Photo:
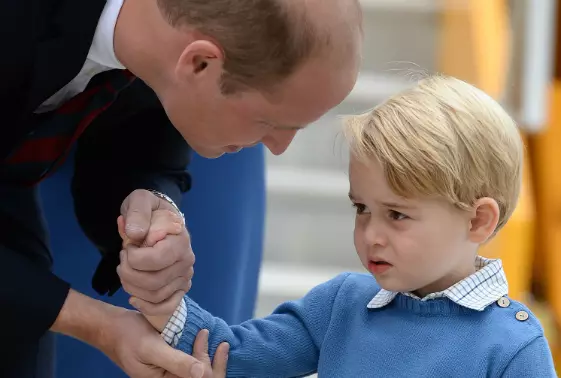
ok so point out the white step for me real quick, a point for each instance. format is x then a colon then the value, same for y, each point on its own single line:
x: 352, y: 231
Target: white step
x: 290, y: 280
x: 310, y: 230
x: 424, y: 6
x: 321, y: 144
x: 311, y: 182
x: 371, y: 88
x: 402, y: 5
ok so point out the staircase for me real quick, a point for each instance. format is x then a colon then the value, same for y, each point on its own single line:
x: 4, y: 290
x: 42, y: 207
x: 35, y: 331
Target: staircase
x: 309, y: 218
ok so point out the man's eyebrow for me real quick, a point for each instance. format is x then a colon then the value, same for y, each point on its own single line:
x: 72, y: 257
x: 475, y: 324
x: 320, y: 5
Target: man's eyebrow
x: 285, y: 127
x: 282, y: 127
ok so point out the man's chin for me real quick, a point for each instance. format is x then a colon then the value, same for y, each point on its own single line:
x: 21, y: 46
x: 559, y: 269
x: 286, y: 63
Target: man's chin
x: 208, y: 153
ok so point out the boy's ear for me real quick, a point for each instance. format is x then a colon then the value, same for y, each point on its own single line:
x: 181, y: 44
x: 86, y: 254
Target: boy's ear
x: 484, y: 220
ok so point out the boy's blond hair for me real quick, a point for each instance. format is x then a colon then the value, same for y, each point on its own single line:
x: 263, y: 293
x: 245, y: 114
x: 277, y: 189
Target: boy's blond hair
x: 444, y: 138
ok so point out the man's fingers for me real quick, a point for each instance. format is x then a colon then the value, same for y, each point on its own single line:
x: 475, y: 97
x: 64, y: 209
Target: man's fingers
x: 160, y: 295
x: 220, y: 361
x: 121, y: 228
x: 163, y: 254
x: 175, y: 362
x: 163, y: 308
x: 200, y: 347
x: 201, y: 353
x: 152, y: 280
x: 137, y: 210
x: 160, y: 256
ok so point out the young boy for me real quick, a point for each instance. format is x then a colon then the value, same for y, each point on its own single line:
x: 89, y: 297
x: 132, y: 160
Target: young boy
x: 435, y: 172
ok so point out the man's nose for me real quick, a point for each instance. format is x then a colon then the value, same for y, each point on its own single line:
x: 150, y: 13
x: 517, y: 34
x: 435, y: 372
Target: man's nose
x: 278, y: 141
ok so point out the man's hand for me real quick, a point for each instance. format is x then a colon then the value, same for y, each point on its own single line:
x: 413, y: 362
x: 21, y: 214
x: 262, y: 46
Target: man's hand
x: 125, y: 337
x: 164, y: 222
x: 218, y: 367
x: 156, y: 266
x: 140, y: 351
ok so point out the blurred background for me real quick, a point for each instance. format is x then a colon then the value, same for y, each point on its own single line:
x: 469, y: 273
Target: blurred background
x: 507, y: 48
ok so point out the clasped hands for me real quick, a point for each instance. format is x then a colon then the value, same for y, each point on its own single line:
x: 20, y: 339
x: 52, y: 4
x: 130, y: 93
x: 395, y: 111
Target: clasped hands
x: 156, y: 270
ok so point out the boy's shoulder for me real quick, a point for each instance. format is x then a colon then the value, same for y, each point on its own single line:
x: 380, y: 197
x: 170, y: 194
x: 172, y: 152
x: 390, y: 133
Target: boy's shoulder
x: 354, y: 287
x: 506, y: 318
x: 358, y: 281
x: 510, y: 321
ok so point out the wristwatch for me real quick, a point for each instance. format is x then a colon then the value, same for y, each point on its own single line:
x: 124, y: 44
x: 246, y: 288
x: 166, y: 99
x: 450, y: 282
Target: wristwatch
x: 168, y: 200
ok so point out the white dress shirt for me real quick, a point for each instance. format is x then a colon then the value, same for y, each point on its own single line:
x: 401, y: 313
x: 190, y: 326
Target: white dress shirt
x: 487, y: 285
x: 101, y: 57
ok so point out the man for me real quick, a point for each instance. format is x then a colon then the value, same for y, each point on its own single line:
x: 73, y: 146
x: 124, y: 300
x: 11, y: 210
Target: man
x: 227, y: 74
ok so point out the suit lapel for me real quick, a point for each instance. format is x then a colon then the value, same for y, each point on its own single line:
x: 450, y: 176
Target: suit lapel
x: 60, y: 57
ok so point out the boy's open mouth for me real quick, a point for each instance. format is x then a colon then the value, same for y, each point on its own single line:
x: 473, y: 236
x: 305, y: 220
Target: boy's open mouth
x: 378, y: 266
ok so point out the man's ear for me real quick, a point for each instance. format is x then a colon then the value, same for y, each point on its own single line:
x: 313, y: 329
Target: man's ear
x: 199, y: 58
x: 484, y: 220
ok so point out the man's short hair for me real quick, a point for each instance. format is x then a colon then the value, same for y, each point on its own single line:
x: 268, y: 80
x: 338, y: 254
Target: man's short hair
x: 443, y: 138
x: 264, y: 41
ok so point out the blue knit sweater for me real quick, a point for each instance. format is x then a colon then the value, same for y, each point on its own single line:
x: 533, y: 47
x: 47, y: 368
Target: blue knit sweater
x: 332, y: 332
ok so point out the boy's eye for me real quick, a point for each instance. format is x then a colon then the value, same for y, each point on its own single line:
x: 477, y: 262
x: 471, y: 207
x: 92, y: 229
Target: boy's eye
x: 396, y: 215
x: 360, y: 208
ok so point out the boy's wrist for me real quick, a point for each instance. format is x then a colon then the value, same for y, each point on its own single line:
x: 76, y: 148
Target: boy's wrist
x: 170, y: 326
x: 158, y: 321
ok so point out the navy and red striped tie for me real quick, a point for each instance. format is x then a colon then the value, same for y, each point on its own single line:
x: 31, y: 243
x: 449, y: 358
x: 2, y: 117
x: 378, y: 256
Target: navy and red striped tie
x: 45, y: 149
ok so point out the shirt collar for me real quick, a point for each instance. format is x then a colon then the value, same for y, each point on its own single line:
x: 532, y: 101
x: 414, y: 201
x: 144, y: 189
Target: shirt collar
x: 487, y: 285
x: 102, y: 50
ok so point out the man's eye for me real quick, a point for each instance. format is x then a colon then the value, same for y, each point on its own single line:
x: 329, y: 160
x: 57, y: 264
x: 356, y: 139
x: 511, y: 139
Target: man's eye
x: 264, y: 124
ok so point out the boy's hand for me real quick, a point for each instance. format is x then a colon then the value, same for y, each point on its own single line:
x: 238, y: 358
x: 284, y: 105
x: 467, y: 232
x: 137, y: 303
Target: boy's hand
x: 163, y: 223
x: 218, y: 367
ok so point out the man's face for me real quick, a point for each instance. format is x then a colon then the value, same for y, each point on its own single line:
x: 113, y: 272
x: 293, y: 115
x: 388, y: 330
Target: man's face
x: 214, y: 124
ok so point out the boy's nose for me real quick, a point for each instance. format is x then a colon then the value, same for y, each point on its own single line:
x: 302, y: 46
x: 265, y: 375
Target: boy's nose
x: 374, y: 234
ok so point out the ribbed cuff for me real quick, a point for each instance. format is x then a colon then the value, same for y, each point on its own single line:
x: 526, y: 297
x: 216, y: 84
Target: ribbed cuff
x: 197, y: 320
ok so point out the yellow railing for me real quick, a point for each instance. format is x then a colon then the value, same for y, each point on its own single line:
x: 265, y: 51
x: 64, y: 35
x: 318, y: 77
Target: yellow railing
x: 474, y: 42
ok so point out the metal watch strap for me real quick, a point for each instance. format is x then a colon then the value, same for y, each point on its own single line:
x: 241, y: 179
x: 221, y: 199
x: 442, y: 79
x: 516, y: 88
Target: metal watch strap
x: 168, y: 200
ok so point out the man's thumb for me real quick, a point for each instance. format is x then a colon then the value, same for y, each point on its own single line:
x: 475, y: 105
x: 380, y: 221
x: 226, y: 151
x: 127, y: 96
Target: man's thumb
x: 177, y: 362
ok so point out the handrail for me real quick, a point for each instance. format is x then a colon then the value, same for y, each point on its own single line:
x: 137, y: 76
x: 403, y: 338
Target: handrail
x: 537, y: 63
x: 474, y: 43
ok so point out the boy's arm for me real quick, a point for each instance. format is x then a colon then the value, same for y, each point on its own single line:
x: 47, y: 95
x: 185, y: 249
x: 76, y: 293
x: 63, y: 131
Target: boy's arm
x: 286, y: 343
x: 534, y: 360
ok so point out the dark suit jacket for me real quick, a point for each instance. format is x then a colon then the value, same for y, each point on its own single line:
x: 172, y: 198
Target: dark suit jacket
x: 131, y: 145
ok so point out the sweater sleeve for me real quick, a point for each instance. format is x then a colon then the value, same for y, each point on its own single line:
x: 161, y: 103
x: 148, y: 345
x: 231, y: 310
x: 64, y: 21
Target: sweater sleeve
x: 286, y: 343
x: 534, y: 360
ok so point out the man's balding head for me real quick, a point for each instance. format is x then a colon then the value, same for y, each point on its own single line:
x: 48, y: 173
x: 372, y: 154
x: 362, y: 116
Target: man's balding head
x: 265, y: 41
x: 255, y: 71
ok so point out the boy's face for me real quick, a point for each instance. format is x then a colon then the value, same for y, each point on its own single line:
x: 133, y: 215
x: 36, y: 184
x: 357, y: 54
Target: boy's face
x: 409, y: 245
